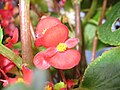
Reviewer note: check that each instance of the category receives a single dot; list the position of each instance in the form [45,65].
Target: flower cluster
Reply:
[26,78]
[53,35]
[10,32]
[6,17]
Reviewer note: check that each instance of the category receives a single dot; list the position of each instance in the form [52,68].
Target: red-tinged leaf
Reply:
[65,60]
[46,23]
[55,35]
[40,61]
[72,42]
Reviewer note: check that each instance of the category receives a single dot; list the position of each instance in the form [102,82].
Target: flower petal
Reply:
[38,42]
[5,64]
[40,61]
[72,42]
[14,39]
[9,81]
[27,74]
[50,51]
[15,36]
[46,23]
[55,35]
[65,60]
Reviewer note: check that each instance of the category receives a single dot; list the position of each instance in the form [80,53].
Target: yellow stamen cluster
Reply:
[48,87]
[20,80]
[61,47]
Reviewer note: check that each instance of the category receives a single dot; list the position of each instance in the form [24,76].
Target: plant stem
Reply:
[56,7]
[79,34]
[6,52]
[91,11]
[96,36]
[32,31]
[27,53]
[62,75]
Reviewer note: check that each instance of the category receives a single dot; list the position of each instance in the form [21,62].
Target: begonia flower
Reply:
[61,56]
[46,23]
[27,77]
[49,86]
[13,40]
[50,31]
[5,64]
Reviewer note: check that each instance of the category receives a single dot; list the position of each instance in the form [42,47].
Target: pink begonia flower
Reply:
[50,31]
[13,40]
[61,56]
[5,64]
[27,77]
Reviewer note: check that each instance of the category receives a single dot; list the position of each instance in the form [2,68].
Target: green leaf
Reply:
[41,5]
[17,86]
[89,33]
[1,34]
[59,85]
[104,72]
[105,32]
[17,60]
[34,17]
[68,5]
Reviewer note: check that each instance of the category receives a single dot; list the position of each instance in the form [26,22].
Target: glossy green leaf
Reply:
[17,86]
[104,72]
[1,34]
[105,32]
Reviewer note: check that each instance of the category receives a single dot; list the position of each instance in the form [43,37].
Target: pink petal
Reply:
[50,51]
[12,80]
[38,42]
[5,64]
[14,39]
[72,42]
[46,23]
[27,74]
[55,35]
[9,81]
[15,36]
[40,61]
[5,82]
[65,60]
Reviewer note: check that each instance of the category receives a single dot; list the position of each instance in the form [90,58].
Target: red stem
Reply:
[96,37]
[62,75]
[27,54]
[80,35]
